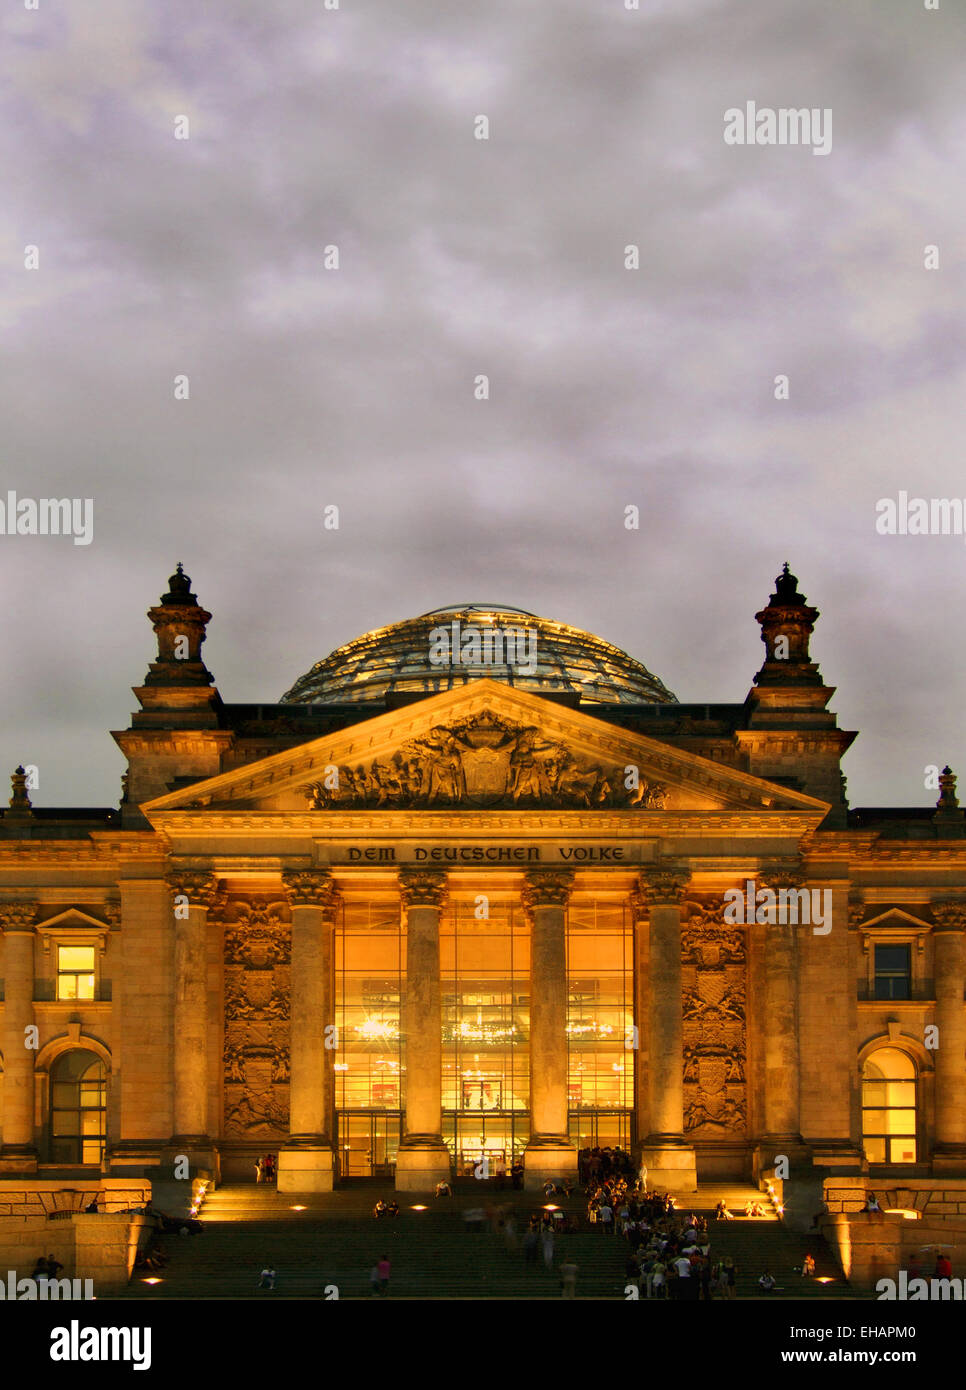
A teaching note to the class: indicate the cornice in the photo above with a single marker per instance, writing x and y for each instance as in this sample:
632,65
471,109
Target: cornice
415,825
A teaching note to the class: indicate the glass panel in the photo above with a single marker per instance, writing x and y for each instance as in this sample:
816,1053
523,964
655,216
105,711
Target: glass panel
600,1013
889,1107
78,1094
891,960
889,1061
75,958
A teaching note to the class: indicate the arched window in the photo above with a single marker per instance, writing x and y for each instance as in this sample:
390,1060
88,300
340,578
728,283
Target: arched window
889,1106
78,1108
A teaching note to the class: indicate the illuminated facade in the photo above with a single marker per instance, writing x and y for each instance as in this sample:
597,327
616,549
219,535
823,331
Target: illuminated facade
416,915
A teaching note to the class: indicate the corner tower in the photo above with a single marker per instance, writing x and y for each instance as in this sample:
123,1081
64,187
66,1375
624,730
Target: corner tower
789,735
175,735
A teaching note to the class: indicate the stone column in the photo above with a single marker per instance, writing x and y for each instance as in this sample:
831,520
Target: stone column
423,1159
306,1162
668,1158
550,1152
194,892
642,1106
780,1043
949,1150
18,1153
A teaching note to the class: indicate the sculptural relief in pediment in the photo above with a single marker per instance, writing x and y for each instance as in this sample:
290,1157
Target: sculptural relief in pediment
482,761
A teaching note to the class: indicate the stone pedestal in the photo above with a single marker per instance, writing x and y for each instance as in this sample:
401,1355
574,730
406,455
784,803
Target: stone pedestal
200,1152
550,1152
671,1167
306,1168
423,1159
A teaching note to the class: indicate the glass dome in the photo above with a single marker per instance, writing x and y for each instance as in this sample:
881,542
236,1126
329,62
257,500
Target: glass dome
463,642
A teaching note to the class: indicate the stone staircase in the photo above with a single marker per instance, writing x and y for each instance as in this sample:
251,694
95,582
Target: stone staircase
334,1241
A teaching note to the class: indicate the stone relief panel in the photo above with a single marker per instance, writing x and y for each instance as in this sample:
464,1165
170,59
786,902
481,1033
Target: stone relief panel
483,760
713,964
257,978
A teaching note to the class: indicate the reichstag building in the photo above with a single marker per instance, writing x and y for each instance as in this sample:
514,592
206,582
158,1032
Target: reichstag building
479,886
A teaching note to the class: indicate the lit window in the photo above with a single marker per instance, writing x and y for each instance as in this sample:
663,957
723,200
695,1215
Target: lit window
75,972
889,1107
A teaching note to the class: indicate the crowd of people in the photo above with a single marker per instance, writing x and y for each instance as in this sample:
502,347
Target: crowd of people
668,1251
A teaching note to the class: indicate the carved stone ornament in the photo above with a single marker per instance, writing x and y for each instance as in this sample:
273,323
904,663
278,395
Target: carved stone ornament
713,966
780,877
663,887
258,938
257,1020
482,761
422,887
201,889
310,888
949,915
856,915
17,916
547,888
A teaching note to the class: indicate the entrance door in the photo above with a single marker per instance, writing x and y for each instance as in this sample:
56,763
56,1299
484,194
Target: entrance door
499,1138
590,1129
368,1141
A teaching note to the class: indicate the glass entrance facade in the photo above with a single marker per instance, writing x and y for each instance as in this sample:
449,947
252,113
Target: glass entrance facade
370,957
485,993
600,1017
485,979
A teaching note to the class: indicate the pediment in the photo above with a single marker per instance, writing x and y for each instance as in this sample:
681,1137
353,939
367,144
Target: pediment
894,918
484,747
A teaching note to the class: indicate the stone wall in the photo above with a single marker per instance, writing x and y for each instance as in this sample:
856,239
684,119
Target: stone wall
30,1196
871,1247
933,1197
93,1246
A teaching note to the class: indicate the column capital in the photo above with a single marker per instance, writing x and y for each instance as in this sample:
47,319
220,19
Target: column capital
637,898
780,875
856,915
949,915
310,888
17,916
422,887
197,885
547,888
662,887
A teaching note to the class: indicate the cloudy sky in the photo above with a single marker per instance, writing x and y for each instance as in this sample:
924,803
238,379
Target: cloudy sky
308,128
